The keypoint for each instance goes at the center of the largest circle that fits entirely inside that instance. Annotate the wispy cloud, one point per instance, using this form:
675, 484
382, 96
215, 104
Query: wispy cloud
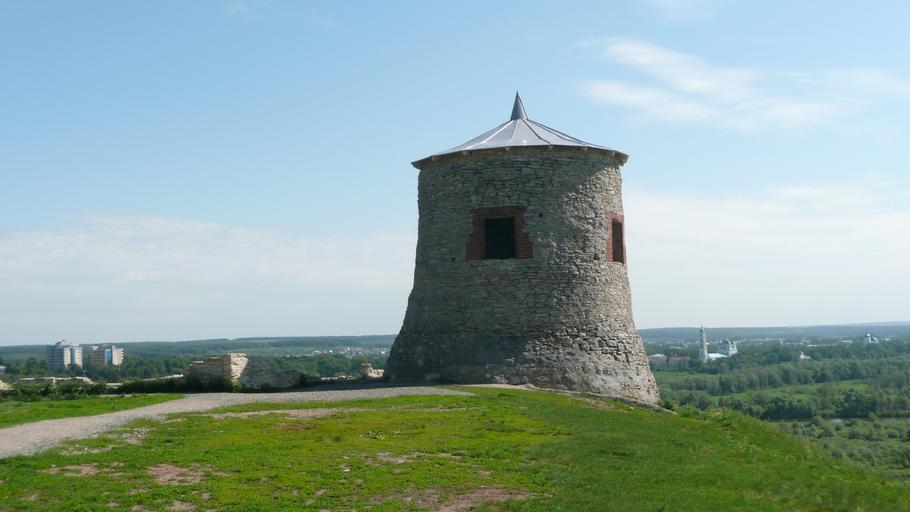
324, 22
792, 254
246, 10
129, 278
253, 10
167, 250
684, 88
684, 10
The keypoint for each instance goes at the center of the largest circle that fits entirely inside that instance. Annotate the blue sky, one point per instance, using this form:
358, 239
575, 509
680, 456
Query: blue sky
180, 170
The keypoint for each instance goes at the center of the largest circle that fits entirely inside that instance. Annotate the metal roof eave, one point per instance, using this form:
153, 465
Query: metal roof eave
521, 132
607, 151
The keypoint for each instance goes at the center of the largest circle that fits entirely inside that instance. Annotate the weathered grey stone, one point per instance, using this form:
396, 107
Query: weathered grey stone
561, 318
258, 375
368, 372
237, 368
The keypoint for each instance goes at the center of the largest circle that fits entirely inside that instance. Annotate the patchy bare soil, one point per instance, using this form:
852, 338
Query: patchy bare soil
179, 506
168, 474
290, 413
440, 501
404, 458
79, 470
598, 404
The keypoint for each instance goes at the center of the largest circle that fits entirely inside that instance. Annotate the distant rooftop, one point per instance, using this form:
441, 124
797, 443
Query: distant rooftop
519, 131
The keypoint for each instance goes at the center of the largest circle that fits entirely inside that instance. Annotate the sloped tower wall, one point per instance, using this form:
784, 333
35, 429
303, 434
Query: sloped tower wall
559, 314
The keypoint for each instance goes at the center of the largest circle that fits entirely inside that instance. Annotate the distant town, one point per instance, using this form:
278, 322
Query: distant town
344, 355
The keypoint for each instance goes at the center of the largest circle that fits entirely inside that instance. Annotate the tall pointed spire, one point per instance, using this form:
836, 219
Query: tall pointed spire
703, 350
518, 109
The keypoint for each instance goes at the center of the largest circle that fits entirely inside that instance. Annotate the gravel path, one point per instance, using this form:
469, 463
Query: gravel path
41, 435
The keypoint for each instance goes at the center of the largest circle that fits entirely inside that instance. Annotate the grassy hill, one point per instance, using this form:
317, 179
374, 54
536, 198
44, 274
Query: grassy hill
497, 450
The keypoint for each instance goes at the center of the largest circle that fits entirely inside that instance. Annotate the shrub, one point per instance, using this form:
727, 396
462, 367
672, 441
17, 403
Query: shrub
169, 385
66, 390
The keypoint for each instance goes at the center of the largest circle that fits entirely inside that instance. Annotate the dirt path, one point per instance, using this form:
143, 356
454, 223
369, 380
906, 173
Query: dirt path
34, 437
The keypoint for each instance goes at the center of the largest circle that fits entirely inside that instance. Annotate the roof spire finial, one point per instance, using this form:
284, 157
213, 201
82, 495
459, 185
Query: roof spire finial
518, 109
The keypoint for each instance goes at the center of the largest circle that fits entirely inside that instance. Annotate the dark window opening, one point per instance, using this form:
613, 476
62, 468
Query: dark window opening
499, 238
619, 245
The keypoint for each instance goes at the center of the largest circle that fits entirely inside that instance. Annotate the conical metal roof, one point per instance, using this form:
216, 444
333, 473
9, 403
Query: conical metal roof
519, 131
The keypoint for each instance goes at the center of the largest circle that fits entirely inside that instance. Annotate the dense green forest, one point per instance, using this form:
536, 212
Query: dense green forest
852, 399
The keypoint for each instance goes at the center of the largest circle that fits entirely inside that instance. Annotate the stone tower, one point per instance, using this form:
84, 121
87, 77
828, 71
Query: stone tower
520, 274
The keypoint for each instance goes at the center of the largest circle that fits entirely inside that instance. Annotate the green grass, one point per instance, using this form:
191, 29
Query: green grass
13, 412
409, 453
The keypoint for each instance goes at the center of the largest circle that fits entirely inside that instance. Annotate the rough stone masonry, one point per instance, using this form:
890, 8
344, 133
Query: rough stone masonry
521, 271
237, 368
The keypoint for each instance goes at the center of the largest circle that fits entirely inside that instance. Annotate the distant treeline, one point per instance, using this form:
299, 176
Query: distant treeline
325, 365
885, 374
294, 345
137, 368
825, 402
132, 368
680, 334
198, 348
843, 380
753, 355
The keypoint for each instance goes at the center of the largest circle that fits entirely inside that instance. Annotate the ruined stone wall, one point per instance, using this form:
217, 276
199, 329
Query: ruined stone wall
235, 366
561, 318
215, 369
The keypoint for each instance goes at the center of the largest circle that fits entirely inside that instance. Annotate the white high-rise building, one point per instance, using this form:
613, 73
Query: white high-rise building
63, 355
105, 355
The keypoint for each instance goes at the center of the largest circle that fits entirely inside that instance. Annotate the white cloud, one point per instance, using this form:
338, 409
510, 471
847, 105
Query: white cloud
683, 88
145, 278
650, 102
684, 10
794, 254
246, 10
167, 250
791, 254
324, 22
252, 10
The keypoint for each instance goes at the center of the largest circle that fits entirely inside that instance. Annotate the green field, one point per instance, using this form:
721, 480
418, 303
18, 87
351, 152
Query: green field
498, 449
13, 412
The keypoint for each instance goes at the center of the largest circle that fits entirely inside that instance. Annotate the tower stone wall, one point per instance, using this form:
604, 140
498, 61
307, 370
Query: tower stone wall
558, 315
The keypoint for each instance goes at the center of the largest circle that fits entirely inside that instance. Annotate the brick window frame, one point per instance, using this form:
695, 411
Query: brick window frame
476, 240
616, 241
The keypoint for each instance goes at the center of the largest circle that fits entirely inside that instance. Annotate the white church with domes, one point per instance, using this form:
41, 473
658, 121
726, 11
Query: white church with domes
726, 348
